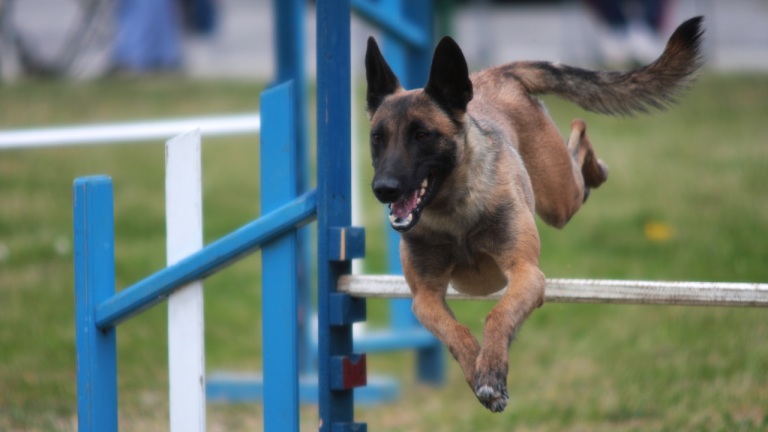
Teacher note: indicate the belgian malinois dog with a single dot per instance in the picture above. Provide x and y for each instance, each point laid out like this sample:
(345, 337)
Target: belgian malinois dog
(465, 162)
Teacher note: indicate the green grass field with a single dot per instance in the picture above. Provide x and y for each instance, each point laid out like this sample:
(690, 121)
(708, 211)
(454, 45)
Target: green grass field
(687, 199)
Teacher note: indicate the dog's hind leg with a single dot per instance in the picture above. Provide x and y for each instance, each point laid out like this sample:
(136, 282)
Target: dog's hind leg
(561, 173)
(593, 170)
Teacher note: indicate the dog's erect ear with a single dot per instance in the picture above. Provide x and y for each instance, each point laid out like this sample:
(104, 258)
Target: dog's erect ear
(382, 82)
(449, 82)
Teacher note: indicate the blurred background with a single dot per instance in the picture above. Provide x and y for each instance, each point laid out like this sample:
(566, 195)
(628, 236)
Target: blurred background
(686, 200)
(83, 39)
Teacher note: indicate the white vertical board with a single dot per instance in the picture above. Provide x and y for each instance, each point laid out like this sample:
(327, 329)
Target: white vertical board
(184, 228)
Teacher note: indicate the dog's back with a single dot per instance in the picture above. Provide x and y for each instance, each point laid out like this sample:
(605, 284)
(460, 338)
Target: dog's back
(509, 90)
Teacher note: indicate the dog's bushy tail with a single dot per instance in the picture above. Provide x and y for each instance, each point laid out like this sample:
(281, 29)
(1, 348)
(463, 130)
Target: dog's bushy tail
(654, 86)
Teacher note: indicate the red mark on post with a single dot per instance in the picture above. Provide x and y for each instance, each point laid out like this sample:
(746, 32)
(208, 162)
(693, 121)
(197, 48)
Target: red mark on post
(354, 374)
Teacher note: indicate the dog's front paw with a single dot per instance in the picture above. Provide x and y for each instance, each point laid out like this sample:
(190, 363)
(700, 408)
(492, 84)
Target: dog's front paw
(491, 390)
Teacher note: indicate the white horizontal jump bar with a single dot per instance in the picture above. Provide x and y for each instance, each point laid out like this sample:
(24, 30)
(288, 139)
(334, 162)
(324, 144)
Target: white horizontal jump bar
(588, 291)
(160, 130)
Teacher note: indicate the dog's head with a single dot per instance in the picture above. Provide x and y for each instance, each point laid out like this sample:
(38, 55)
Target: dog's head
(416, 136)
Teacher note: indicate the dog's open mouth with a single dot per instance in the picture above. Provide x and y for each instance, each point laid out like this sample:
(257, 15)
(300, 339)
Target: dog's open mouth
(405, 213)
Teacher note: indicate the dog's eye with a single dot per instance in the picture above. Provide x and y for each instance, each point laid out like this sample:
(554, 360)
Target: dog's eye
(377, 138)
(421, 136)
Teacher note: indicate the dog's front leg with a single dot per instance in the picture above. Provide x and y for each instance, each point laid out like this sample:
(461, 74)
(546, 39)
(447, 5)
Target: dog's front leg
(433, 312)
(525, 292)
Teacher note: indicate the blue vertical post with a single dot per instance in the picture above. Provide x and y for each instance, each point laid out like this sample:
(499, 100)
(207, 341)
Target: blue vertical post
(334, 194)
(289, 53)
(94, 283)
(279, 262)
(411, 65)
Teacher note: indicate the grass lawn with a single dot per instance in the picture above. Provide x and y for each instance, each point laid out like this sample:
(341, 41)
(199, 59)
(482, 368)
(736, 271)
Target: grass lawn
(687, 199)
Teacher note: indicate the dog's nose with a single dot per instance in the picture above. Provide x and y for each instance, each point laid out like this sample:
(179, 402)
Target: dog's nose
(387, 190)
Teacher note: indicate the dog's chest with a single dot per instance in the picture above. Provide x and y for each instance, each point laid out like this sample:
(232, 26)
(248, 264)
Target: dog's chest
(461, 245)
(474, 268)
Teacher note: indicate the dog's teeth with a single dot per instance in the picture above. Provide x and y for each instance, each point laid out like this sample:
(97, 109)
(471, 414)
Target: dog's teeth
(410, 217)
(424, 183)
(422, 192)
(392, 218)
(418, 200)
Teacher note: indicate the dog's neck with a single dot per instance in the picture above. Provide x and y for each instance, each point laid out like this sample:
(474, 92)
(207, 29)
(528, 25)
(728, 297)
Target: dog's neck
(465, 195)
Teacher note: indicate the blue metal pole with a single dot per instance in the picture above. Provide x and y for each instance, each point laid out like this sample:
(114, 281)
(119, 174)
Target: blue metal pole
(334, 208)
(411, 65)
(94, 283)
(378, 13)
(289, 53)
(279, 263)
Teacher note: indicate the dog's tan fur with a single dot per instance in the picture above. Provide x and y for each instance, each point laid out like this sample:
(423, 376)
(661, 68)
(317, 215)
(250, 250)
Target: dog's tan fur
(497, 158)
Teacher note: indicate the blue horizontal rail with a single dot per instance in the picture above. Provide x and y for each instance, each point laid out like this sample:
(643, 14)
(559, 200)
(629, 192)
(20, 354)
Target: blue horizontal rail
(379, 15)
(398, 340)
(233, 387)
(393, 340)
(217, 255)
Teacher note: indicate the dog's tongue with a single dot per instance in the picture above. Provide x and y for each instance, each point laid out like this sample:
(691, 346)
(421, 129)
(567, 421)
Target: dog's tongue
(403, 208)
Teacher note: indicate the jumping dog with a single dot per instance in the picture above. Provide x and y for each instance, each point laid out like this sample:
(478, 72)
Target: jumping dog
(465, 162)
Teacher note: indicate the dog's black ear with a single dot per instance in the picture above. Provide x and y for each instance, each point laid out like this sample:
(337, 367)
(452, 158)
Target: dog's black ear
(449, 82)
(382, 82)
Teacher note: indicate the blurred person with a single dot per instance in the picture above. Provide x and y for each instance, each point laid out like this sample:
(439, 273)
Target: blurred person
(199, 16)
(634, 30)
(148, 36)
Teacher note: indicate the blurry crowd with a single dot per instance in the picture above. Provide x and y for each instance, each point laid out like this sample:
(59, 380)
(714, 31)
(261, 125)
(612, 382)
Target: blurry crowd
(88, 38)
(148, 33)
(148, 36)
(46, 38)
(633, 30)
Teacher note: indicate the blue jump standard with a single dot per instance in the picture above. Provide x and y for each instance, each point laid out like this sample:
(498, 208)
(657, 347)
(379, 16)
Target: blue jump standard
(94, 282)
(407, 31)
(279, 261)
(341, 370)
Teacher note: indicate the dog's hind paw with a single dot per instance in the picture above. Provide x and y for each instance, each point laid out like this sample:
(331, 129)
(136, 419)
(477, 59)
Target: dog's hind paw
(594, 171)
(493, 399)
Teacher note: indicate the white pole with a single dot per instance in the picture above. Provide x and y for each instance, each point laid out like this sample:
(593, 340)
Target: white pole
(158, 130)
(587, 291)
(184, 226)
